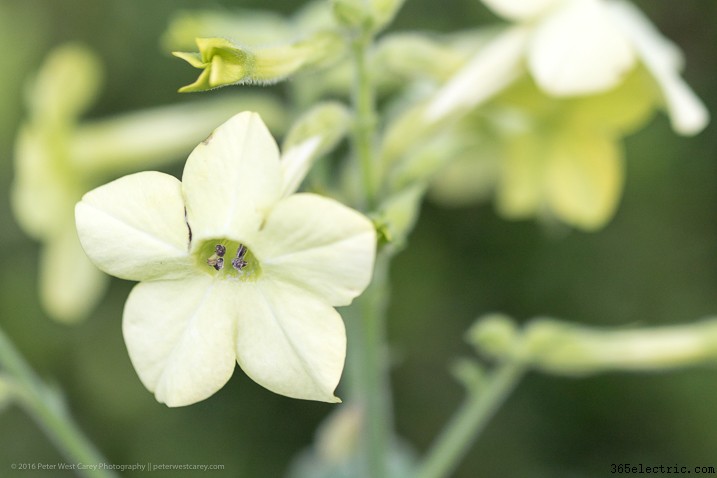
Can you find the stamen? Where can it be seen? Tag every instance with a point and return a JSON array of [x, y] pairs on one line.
[[220, 250], [241, 252], [239, 264], [216, 262]]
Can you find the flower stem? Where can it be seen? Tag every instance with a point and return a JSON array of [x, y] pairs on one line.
[[48, 410], [365, 122], [367, 371], [469, 421]]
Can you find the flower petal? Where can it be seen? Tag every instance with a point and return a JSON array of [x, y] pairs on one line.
[[490, 71], [290, 342], [687, 113], [585, 174], [43, 192], [70, 285], [317, 244], [578, 50], [520, 9], [180, 337], [520, 189], [296, 163], [134, 227], [231, 179]]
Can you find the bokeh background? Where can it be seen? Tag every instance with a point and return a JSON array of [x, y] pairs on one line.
[[655, 263]]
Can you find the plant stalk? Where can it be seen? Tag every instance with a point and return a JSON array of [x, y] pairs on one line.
[[47, 408], [469, 421], [367, 371]]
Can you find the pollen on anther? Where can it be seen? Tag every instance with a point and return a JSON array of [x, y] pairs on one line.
[[241, 252], [238, 263], [220, 250], [216, 262]]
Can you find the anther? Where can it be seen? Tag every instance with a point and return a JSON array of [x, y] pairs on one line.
[[241, 252], [238, 262], [220, 250], [216, 262]]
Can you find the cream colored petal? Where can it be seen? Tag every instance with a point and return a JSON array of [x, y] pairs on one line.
[[231, 180], [578, 50], [66, 85], [520, 188], [289, 342], [134, 227], [585, 174], [180, 337], [492, 69], [70, 285], [687, 113], [521, 9], [318, 244], [296, 163], [43, 193]]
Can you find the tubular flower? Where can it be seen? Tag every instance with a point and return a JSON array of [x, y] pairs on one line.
[[233, 267], [574, 47]]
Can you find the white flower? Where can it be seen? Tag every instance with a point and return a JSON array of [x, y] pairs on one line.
[[573, 47], [233, 267]]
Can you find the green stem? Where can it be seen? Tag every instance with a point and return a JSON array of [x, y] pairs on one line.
[[367, 371], [367, 366], [365, 123], [49, 411], [469, 421]]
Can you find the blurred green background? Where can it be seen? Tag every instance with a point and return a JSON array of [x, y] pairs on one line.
[[656, 263]]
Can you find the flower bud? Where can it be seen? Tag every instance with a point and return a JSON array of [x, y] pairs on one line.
[[569, 349], [398, 214], [225, 63], [329, 120], [370, 15], [495, 335]]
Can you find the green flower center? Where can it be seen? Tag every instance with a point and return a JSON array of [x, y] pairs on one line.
[[228, 259]]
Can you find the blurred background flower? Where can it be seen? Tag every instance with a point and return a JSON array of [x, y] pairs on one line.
[[654, 263]]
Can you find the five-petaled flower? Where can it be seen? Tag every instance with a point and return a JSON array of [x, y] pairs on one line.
[[572, 48], [233, 266]]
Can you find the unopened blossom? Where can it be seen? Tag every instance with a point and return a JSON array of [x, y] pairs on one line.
[[233, 267], [573, 47]]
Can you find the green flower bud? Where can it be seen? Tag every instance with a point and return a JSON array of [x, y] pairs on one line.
[[495, 335], [568, 349], [353, 14], [226, 64], [248, 27], [367, 15], [470, 373], [66, 85], [410, 56], [384, 11], [397, 216], [330, 121]]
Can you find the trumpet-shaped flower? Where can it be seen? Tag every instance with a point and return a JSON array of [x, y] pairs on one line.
[[58, 158], [233, 267], [548, 157], [574, 47]]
